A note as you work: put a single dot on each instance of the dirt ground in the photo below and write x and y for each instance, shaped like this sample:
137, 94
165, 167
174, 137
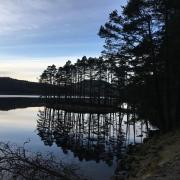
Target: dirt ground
156, 159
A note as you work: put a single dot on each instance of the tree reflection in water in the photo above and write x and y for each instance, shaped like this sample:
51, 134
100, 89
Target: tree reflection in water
90, 136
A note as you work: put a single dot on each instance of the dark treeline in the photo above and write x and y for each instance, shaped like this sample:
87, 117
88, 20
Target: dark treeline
139, 65
7, 104
88, 78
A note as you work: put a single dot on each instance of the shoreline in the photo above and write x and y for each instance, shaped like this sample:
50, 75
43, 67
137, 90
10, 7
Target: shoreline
157, 159
8, 103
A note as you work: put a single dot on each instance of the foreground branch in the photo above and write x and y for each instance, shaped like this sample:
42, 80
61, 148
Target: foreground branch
18, 163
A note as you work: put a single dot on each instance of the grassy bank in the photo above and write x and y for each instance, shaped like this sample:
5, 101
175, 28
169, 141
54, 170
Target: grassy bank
156, 159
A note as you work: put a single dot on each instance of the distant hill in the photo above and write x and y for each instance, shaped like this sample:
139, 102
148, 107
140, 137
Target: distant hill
9, 86
16, 87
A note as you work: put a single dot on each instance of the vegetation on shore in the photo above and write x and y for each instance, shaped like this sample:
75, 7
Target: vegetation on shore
139, 69
158, 158
139, 65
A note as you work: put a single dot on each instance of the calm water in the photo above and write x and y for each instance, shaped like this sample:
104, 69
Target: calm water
19, 96
92, 141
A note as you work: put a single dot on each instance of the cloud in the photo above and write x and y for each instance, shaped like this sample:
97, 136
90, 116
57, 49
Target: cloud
29, 15
36, 33
29, 68
43, 22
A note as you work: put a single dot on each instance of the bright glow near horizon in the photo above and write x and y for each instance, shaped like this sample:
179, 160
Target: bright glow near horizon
38, 33
29, 69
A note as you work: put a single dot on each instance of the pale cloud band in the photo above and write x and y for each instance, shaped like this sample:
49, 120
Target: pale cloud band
49, 32
29, 69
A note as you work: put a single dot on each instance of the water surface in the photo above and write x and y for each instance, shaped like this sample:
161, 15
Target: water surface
19, 96
92, 141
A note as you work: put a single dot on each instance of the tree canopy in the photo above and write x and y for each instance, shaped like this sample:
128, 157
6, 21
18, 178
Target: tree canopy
139, 65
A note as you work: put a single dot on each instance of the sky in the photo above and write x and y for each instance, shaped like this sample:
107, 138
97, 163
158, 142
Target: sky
38, 33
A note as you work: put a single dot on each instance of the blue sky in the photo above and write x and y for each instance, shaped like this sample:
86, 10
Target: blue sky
37, 33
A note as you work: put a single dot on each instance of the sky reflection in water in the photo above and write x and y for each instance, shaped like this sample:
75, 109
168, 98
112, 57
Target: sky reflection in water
17, 126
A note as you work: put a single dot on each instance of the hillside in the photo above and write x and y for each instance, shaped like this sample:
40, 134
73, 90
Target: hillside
14, 86
9, 86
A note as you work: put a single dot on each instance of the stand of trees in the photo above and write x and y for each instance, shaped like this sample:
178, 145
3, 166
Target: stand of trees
144, 43
88, 78
139, 66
